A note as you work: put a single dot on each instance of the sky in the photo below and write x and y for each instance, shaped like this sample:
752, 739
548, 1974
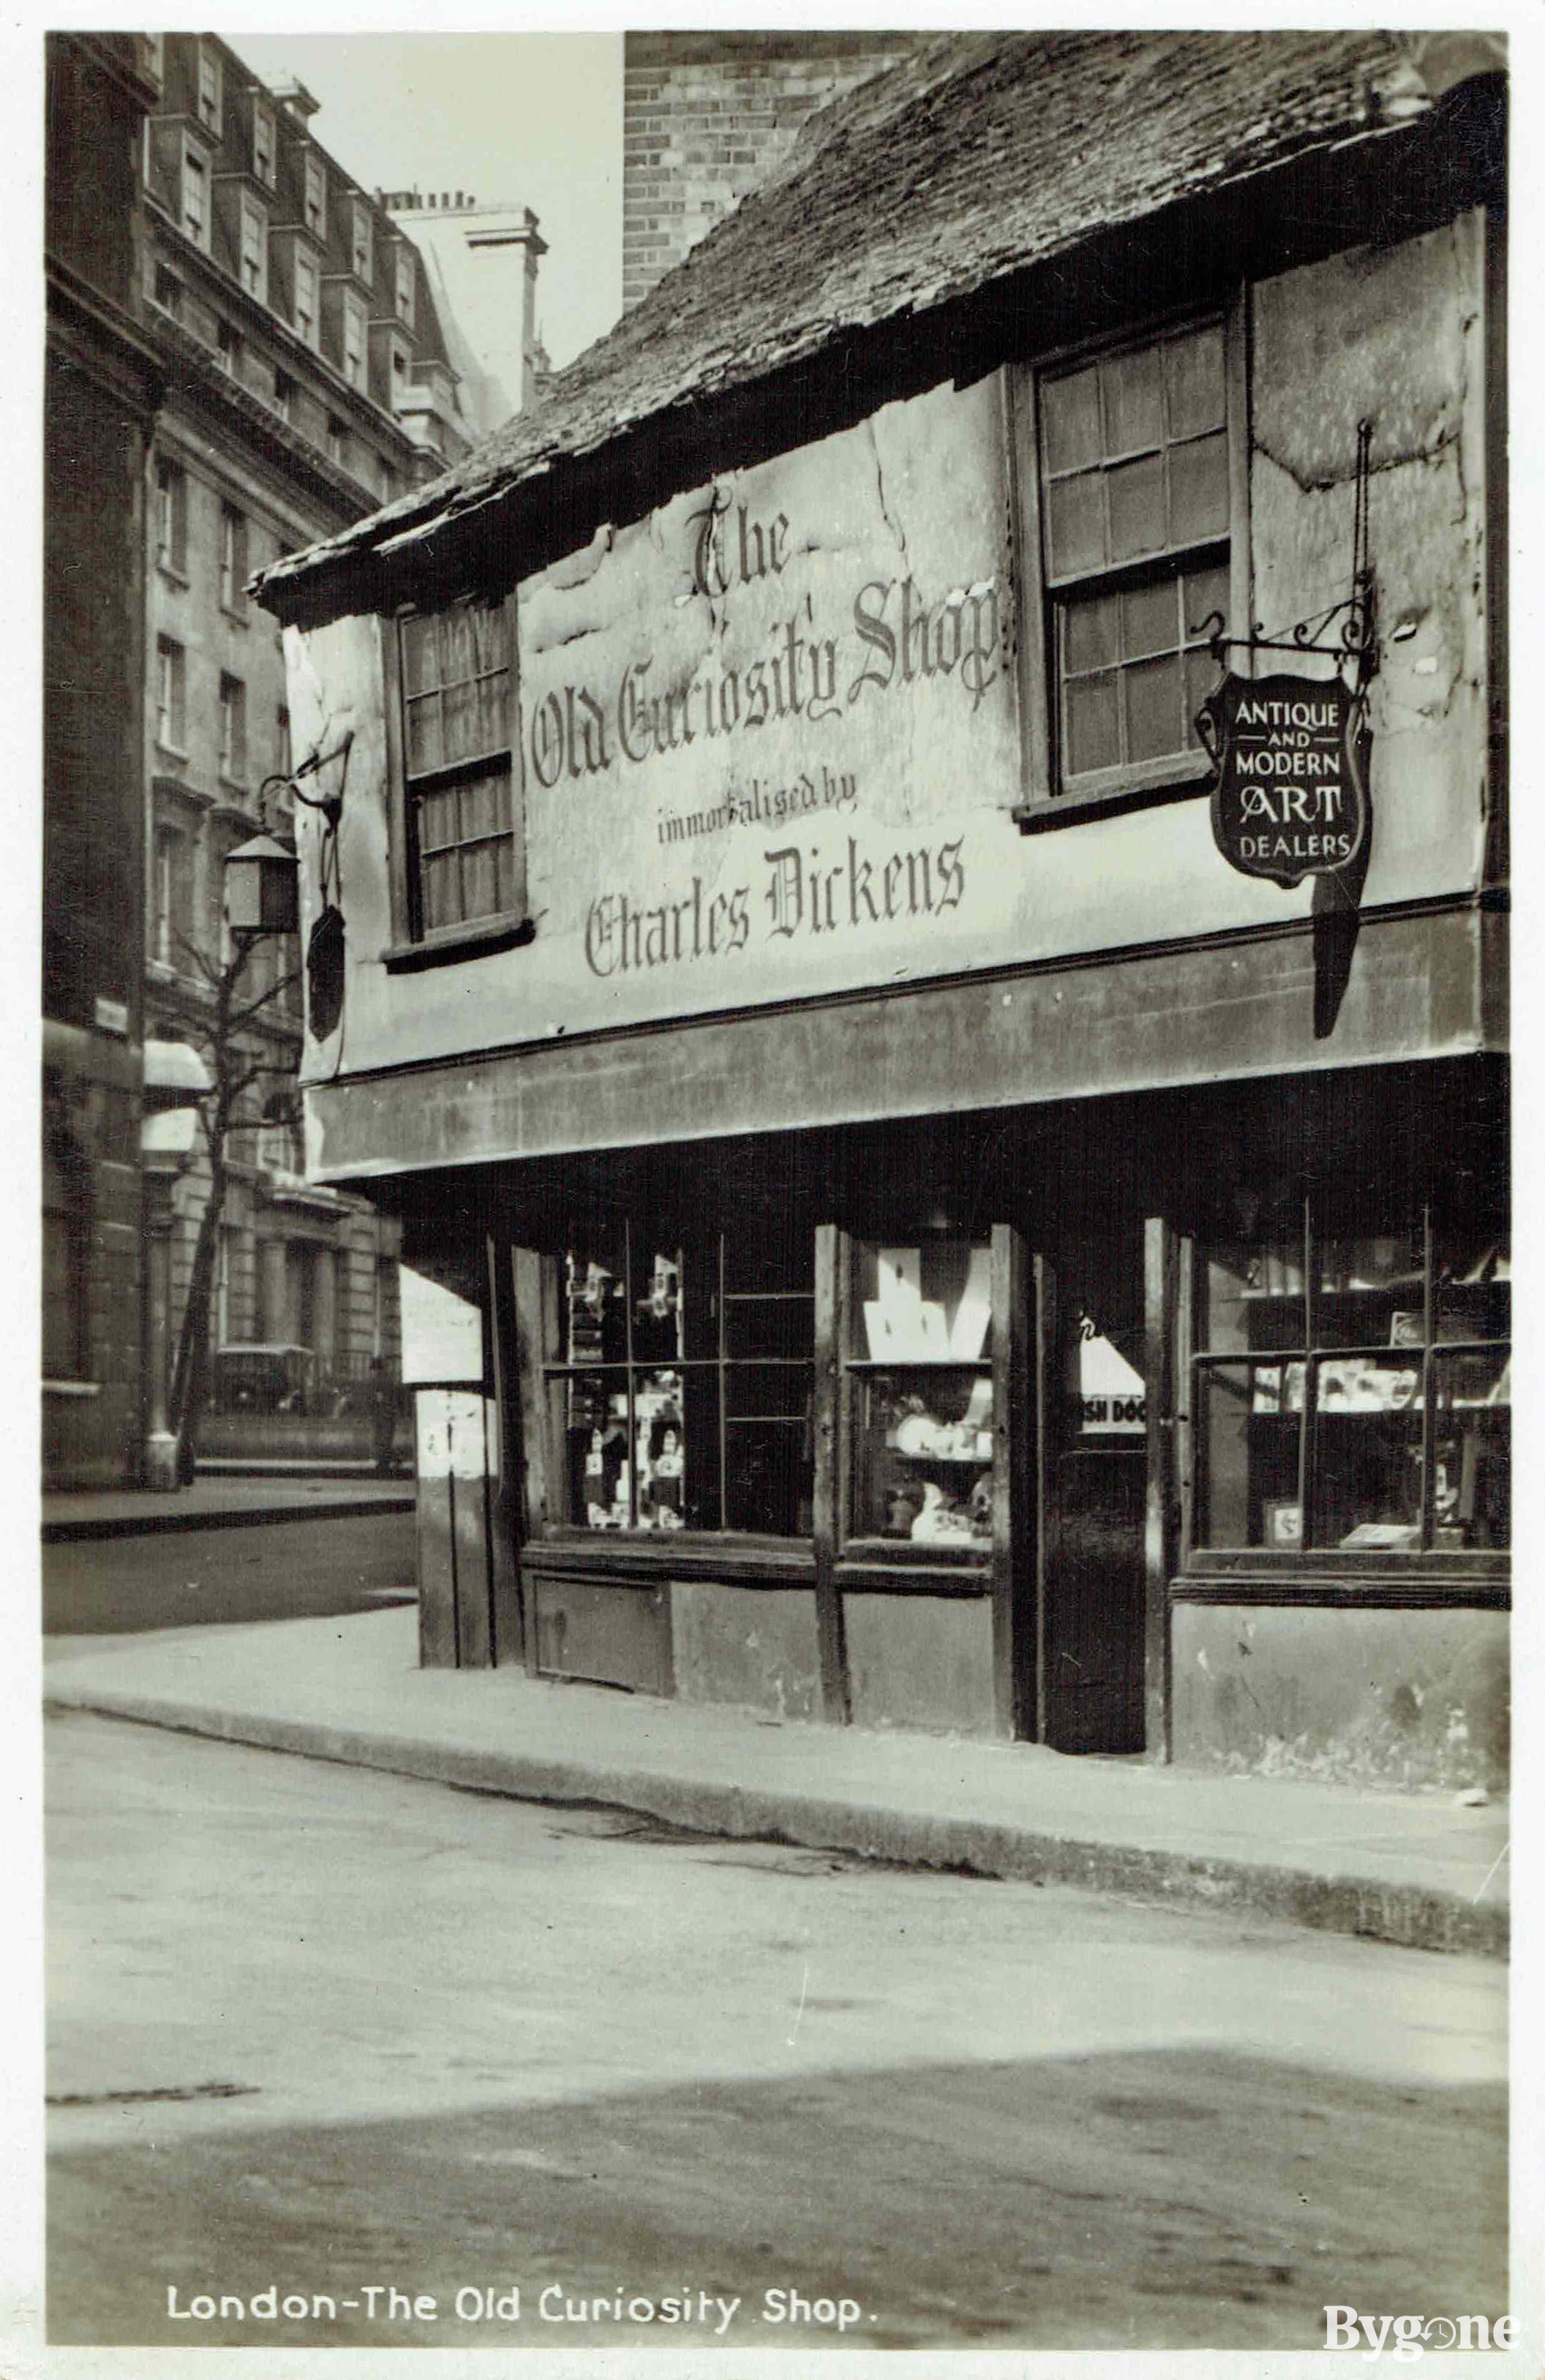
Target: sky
535, 119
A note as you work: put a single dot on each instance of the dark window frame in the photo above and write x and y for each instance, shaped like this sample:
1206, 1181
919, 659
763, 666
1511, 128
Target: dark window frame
1307, 1561
706, 1250
1049, 797
415, 943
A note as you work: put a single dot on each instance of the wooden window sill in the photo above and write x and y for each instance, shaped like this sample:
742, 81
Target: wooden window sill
1113, 793
452, 943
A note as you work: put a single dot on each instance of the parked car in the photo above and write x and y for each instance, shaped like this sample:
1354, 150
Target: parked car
265, 1379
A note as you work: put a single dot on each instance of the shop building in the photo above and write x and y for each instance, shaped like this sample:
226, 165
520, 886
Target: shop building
907, 1228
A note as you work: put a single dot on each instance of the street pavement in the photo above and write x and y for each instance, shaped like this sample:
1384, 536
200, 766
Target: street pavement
339, 2033
244, 1565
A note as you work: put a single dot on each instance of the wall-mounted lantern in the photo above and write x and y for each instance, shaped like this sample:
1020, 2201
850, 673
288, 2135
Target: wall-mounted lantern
263, 887
262, 877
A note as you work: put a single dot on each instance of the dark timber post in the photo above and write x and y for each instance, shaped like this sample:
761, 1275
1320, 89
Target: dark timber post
831, 1299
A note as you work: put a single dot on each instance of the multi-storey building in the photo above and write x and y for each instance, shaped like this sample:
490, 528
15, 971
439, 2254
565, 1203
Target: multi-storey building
306, 378
946, 1059
482, 261
102, 388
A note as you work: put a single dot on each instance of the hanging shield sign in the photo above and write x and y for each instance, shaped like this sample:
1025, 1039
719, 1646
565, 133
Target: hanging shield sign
1290, 795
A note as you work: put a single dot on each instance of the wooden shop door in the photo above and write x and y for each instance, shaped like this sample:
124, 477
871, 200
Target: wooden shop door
1092, 1445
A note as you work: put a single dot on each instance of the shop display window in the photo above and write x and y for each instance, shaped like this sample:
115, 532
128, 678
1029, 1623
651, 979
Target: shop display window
1354, 1393
920, 1395
681, 1392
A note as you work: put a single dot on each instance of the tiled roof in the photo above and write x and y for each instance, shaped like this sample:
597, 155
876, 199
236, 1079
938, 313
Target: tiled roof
976, 156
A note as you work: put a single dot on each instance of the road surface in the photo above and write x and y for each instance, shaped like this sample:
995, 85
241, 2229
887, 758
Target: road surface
194, 1578
338, 2035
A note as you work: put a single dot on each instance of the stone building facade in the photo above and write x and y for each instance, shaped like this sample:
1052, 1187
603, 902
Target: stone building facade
291, 371
100, 392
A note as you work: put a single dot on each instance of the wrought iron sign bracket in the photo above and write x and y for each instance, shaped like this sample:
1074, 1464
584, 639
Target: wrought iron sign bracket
1352, 618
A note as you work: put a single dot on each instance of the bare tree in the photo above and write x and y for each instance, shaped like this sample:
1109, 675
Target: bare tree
223, 1038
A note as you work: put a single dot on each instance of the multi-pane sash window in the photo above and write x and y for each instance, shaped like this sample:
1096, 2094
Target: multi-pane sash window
1133, 460
353, 326
170, 516
233, 728
254, 249
170, 702
306, 297
362, 246
680, 1388
195, 196
466, 859
171, 896
209, 87
405, 286
233, 559
1352, 1391
262, 141
316, 195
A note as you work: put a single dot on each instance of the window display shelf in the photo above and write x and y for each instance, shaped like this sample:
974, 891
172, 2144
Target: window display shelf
920, 1363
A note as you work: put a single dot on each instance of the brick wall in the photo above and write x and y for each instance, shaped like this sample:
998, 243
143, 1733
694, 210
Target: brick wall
705, 116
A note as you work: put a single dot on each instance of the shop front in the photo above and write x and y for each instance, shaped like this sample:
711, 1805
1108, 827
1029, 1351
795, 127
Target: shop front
910, 1221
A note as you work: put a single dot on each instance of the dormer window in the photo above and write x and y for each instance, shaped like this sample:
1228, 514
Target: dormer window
316, 195
209, 87
362, 245
263, 140
354, 335
254, 249
306, 296
405, 286
195, 196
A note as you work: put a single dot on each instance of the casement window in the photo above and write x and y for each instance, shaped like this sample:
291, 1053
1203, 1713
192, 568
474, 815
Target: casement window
153, 58
171, 693
679, 1383
337, 441
166, 290
355, 328
233, 560
195, 196
264, 148
254, 249
405, 286
314, 204
209, 87
233, 729
464, 842
1133, 543
229, 346
171, 518
283, 395
306, 311
362, 241
1351, 1395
